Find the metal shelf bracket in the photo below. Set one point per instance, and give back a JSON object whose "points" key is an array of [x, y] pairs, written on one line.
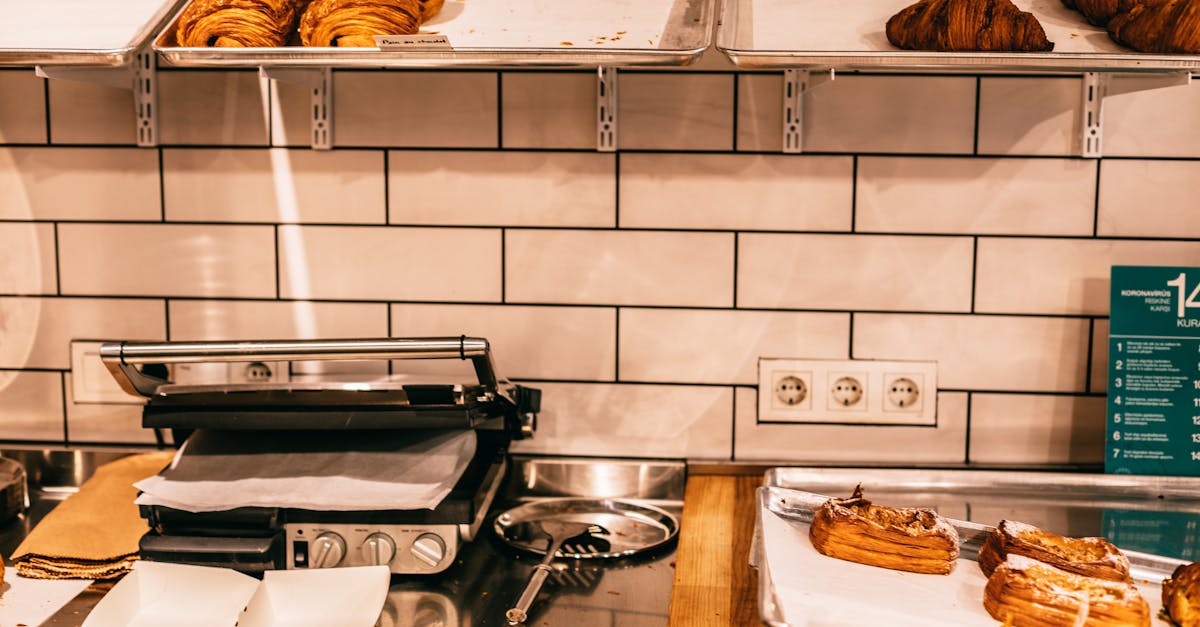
{"points": [[319, 82], [606, 109], [141, 78], [797, 83], [1096, 86]]}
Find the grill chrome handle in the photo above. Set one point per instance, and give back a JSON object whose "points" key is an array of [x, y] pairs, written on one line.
{"points": [[121, 358]]}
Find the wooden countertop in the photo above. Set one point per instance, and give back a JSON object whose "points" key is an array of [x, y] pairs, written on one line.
{"points": [[714, 583]]}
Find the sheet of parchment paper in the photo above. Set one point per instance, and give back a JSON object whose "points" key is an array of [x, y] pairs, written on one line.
{"points": [[325, 471]]}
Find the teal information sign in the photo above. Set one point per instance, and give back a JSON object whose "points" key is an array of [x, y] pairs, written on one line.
{"points": [[1154, 372]]}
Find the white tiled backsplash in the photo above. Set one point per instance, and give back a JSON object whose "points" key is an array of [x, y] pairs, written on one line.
{"points": [[937, 218]]}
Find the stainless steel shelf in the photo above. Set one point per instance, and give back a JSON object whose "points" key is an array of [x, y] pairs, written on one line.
{"points": [[498, 33], [78, 32], [849, 35]]}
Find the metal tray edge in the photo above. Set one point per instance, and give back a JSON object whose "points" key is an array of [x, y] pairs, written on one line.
{"points": [[114, 57]]}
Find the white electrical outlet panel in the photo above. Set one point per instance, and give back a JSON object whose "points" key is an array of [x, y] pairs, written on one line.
{"points": [[858, 391], [208, 373], [91, 382]]}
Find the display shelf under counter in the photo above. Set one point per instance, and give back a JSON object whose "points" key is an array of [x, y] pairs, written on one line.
{"points": [[498, 33], [849, 35], [78, 32]]}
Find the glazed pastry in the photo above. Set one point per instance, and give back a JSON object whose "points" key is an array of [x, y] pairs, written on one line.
{"points": [[237, 23], [1091, 557], [1099, 12], [345, 23], [1162, 26], [967, 26], [1181, 595], [910, 539], [1024, 592]]}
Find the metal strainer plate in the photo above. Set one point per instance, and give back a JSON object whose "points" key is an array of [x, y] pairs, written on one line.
{"points": [[620, 528]]}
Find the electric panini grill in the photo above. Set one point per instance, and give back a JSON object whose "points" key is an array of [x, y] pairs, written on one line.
{"points": [[324, 412]]}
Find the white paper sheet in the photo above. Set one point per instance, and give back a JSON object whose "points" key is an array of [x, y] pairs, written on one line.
{"points": [[75, 24], [335, 471], [818, 591], [31, 601]]}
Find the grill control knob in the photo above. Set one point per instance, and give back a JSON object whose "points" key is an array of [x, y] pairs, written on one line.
{"points": [[428, 548], [379, 549], [328, 550]]}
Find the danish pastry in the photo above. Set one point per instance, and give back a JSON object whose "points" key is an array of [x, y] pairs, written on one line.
{"points": [[1181, 595], [237, 23], [346, 23], [909, 539], [1091, 557], [1098, 12], [967, 26], [1024, 592]]}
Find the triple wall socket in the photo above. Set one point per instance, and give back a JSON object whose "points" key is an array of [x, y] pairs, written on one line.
{"points": [[847, 391]]}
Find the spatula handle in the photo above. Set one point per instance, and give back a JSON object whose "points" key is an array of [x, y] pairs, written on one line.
{"points": [[519, 612]]}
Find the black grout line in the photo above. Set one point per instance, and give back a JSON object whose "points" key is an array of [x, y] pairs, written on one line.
{"points": [[1096, 201], [735, 113], [504, 265], [62, 381], [617, 344], [617, 190], [645, 229], [519, 303], [58, 256], [390, 365], [736, 239], [46, 105], [974, 269], [967, 439], [733, 424], [1087, 381], [162, 187], [854, 194], [387, 190], [167, 318], [978, 95], [850, 336], [278, 289]]}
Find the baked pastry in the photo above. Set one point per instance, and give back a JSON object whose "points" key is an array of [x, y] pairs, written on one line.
{"points": [[967, 26], [1091, 557], [345, 23], [237, 23], [910, 539], [1161, 26], [1181, 595], [1025, 592], [1099, 12]]}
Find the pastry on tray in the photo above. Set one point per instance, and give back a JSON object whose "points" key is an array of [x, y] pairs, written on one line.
{"points": [[1160, 26], [967, 26], [910, 539], [1092, 557], [1024, 592], [354, 23], [1098, 12], [1181, 595], [237, 23]]}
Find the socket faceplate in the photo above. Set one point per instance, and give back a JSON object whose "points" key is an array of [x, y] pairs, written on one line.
{"points": [[891, 392]]}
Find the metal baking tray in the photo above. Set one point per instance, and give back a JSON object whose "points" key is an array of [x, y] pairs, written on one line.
{"points": [[78, 32], [503, 33], [1153, 519], [849, 35]]}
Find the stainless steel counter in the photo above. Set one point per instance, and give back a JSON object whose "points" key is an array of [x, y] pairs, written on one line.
{"points": [[488, 575]]}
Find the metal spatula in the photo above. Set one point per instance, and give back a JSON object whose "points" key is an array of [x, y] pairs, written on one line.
{"points": [[559, 532]]}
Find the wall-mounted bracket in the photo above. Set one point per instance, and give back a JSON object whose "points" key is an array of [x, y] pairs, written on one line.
{"points": [[319, 81], [606, 109], [797, 83], [141, 78], [1096, 86]]}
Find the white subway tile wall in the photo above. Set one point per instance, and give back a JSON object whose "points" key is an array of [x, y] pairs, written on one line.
{"points": [[947, 218]]}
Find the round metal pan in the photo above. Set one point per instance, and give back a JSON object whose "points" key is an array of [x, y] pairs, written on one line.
{"points": [[619, 528]]}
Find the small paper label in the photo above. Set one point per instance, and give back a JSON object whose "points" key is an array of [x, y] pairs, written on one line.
{"points": [[412, 42]]}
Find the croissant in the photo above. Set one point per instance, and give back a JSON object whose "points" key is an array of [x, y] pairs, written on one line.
{"points": [[1024, 592], [1162, 26], [967, 26], [237, 23], [914, 540], [1099, 12], [1181, 595], [1091, 557], [355, 22]]}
